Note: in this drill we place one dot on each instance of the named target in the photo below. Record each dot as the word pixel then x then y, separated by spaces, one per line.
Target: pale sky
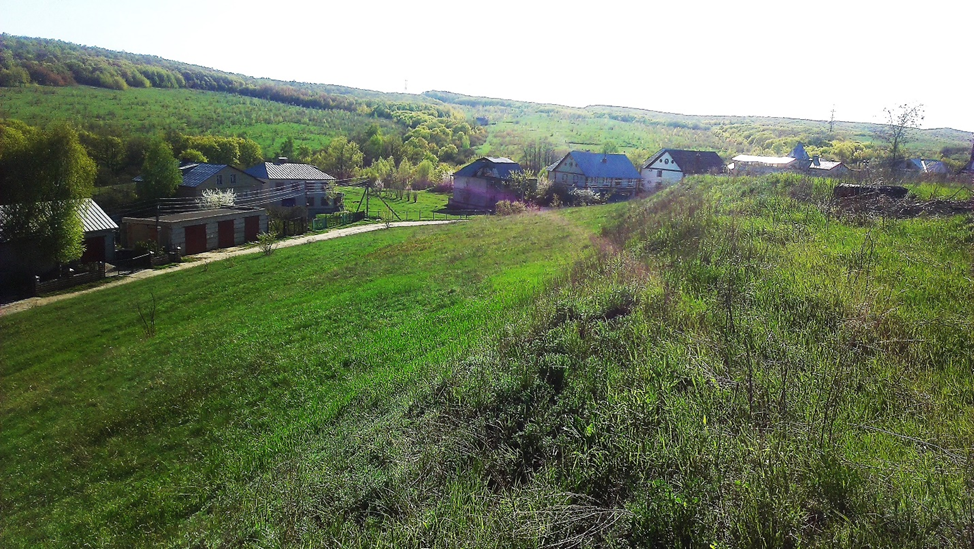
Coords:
pixel 749 57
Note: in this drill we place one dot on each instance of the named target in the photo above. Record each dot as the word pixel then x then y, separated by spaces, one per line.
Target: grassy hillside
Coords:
pixel 733 362
pixel 155 111
pixel 110 437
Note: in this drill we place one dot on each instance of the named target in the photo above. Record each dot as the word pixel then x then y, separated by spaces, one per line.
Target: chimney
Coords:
pixel 281 160
pixel 815 160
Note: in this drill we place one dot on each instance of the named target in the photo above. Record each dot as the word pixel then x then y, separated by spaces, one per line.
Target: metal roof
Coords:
pixel 288 170
pixel 825 165
pixel 500 168
pixel 769 160
pixel 608 166
pixel 93 218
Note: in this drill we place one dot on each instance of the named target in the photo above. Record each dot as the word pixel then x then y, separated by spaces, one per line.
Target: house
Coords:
pixel 99 233
pixel 671 165
pixel 825 168
pixel 200 177
pixel 197 231
pixel 599 172
pixel 483 183
pixel 917 167
pixel 308 186
pixel 798 160
pixel 99 241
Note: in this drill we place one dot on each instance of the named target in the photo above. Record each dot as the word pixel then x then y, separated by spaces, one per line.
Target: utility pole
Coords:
pixel 832 119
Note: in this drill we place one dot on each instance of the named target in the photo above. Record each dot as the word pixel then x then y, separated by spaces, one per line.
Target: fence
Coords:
pixel 96 272
pixel 326 221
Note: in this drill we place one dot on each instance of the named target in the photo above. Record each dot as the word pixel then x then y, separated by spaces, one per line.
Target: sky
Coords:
pixel 762 58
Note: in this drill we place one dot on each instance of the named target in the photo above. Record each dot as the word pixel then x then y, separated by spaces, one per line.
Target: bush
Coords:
pixel 505 207
pixel 266 242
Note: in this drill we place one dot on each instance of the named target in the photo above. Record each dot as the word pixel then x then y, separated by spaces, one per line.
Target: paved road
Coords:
pixel 215 255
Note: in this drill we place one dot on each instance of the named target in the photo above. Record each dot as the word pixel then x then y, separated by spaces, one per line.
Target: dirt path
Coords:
pixel 215 255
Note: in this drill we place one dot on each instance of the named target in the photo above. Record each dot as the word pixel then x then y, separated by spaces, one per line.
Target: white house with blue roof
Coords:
pixel 599 172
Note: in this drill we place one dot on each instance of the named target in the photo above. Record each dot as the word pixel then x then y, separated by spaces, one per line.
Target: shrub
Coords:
pixel 267 242
pixel 505 207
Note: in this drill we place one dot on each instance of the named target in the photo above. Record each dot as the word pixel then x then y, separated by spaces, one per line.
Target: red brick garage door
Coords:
pixel 195 239
pixel 225 234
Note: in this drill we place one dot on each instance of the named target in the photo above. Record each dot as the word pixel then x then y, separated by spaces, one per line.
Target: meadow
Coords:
pixel 733 362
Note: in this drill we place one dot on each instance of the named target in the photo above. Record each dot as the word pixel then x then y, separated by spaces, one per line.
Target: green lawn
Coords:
pixel 426 203
pixel 113 438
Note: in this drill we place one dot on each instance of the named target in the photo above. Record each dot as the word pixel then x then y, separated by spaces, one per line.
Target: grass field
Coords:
pixel 732 363
pixel 113 438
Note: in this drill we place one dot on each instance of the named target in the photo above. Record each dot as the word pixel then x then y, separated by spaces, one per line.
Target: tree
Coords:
pixel 44 175
pixel 160 172
pixel 287 148
pixel 342 158
pixel 898 128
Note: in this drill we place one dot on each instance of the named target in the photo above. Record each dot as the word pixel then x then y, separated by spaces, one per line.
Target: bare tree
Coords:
pixel 898 128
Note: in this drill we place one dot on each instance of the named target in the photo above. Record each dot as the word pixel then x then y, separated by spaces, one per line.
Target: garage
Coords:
pixel 195 239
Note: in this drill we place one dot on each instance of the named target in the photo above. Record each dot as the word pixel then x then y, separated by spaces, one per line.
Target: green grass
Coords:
pixel 113 438
pixel 426 204
pixel 732 362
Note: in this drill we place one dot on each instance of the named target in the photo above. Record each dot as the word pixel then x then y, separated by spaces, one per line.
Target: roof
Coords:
pixel 288 170
pixel 198 173
pixel 926 166
pixel 769 160
pixel 825 165
pixel 497 167
pixel 197 214
pixel 690 162
pixel 93 218
pixel 799 152
pixel 609 166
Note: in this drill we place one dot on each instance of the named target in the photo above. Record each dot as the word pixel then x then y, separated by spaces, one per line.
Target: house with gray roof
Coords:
pixel 483 183
pixel 202 176
pixel 606 174
pixel 311 187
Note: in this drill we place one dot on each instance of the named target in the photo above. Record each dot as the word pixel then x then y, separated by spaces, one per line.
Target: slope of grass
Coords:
pixel 113 438
pixel 732 362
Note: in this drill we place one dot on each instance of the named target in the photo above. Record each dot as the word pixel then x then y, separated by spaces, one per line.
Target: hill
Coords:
pixel 148 93
pixel 732 362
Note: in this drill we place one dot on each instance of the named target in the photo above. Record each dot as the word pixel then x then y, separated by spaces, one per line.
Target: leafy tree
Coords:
pixel 250 152
pixel 898 128
pixel 160 172
pixel 342 158
pixel 287 148
pixel 43 177
pixel 192 155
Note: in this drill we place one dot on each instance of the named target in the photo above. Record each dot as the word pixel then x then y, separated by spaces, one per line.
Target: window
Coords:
pixel 564 178
pixel 311 201
pixel 233 179
pixel 575 179
pixel 219 180
pixel 659 173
